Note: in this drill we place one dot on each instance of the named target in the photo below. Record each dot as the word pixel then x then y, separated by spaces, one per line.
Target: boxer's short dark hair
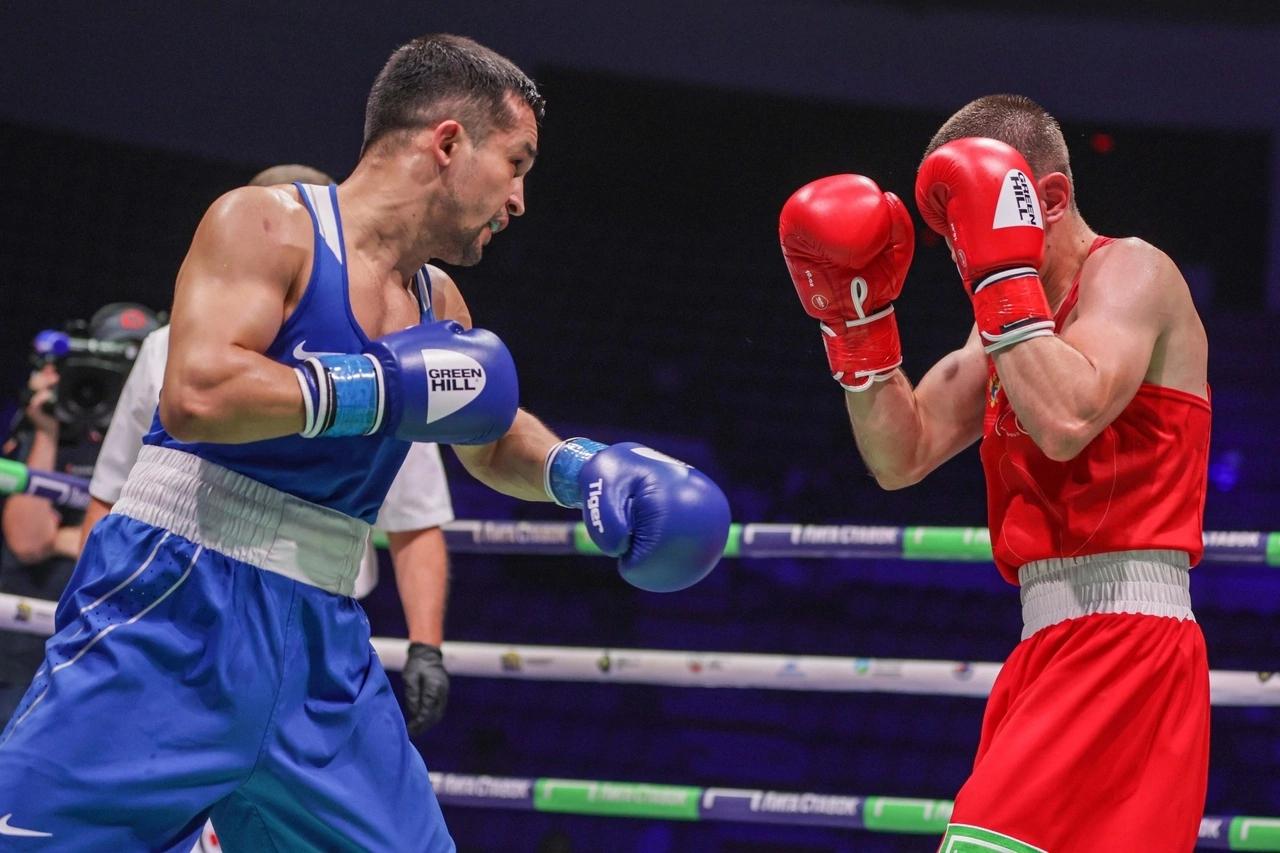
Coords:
pixel 441 76
pixel 1014 120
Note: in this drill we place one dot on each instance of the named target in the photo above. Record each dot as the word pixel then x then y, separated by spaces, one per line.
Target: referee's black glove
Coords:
pixel 426 687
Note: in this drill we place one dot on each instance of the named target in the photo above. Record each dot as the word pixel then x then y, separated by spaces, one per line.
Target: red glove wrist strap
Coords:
pixel 1010 306
pixel 863 351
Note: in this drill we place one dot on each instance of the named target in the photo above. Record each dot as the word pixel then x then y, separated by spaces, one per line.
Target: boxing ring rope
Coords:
pixel 899 815
pixel 921 543
pixel 727 670
pixel 931 543
pixel 669 668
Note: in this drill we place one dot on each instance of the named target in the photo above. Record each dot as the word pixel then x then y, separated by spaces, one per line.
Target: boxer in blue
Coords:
pixel 209 660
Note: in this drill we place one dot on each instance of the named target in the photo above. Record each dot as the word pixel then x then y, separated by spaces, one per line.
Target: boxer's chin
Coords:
pixel 474 250
pixel 467 250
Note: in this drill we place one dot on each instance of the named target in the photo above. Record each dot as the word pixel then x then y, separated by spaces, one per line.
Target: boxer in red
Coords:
pixel 1085 379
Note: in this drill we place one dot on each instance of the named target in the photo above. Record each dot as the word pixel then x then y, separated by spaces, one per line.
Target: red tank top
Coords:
pixel 1140 484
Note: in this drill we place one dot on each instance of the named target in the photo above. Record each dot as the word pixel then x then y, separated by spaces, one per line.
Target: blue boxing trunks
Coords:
pixel 209 662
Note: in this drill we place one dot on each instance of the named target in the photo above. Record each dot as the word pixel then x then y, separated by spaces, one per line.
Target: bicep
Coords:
pixel 1116 326
pixel 232 286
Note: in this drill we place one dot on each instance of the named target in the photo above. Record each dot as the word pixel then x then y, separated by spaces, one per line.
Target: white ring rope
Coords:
pixel 706 669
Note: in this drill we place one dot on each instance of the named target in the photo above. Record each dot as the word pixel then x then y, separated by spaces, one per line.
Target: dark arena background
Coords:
pixel 644 298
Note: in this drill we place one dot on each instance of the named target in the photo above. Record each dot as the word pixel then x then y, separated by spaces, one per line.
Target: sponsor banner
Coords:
pixel 542 663
pixel 947 543
pixel 706 669
pixel 26 615
pixel 617 799
pixel 582 542
pixel 511 537
pixel 1215 834
pixel 1255 833
pixel 638 666
pixel 900 814
pixel 820 540
pixel 1235 546
pixel 950 544
pixel 771 672
pixel 733 544
pixel 781 807
pixel 13 477
pixel 749 805
pixel 60 489
pixel 1244 689
pixel 515 660
pixel 494 791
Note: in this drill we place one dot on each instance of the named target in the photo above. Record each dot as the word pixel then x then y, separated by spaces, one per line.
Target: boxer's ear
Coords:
pixel 444 140
pixel 1055 192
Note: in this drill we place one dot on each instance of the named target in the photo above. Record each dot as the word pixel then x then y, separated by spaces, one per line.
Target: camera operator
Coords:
pixel 72 395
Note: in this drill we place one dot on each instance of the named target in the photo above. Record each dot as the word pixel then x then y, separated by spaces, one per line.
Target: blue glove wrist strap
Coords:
pixel 564 462
pixel 342 394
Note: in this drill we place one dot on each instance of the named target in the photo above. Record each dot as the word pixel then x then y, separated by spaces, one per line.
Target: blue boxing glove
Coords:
pixel 666 521
pixel 435 382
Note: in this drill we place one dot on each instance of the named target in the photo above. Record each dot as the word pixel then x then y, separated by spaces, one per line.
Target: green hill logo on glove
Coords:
pixel 454 380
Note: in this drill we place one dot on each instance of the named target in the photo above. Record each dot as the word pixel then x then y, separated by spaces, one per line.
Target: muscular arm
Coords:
pixel 511 465
pixel 903 433
pixel 1067 389
pixel 422 577
pixel 228 307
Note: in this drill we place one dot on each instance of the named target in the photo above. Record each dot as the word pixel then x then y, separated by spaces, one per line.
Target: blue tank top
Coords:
pixel 350 474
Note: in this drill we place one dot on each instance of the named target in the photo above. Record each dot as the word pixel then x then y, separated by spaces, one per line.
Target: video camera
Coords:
pixel 93 358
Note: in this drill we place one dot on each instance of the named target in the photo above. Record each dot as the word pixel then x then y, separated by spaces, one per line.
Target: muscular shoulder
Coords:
pixel 1132 291
pixel 1132 272
pixel 259 222
pixel 446 298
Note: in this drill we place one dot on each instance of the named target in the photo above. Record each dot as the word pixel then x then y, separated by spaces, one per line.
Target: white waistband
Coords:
pixel 1153 583
pixel 244 519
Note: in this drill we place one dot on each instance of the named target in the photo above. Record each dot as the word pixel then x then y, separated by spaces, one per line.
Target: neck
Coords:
pixel 383 203
pixel 1064 255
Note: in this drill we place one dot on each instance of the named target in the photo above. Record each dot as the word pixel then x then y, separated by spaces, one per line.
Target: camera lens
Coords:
pixel 88 389
pixel 87 395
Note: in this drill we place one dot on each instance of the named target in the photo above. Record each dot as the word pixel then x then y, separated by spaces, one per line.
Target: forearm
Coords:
pixel 1057 393
pixel 30 523
pixel 422 578
pixel 93 513
pixel 513 464
pixel 903 433
pixel 231 396
pixel 888 431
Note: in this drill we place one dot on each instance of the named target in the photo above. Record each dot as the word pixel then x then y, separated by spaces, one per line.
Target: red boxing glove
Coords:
pixel 848 246
pixel 980 195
